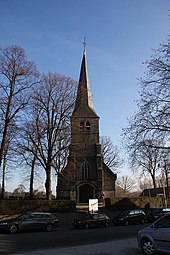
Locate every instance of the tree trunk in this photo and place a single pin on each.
(154, 184)
(57, 185)
(3, 178)
(7, 121)
(48, 183)
(167, 180)
(2, 148)
(31, 195)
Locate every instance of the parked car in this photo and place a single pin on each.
(92, 220)
(156, 237)
(30, 222)
(157, 214)
(130, 217)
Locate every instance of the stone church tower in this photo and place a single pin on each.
(86, 176)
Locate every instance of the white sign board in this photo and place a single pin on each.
(93, 205)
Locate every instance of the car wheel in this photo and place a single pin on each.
(106, 224)
(86, 226)
(126, 222)
(147, 247)
(49, 227)
(13, 229)
(142, 221)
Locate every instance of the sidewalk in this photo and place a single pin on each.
(119, 247)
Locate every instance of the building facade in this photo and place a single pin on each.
(86, 176)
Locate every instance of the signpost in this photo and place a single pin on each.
(93, 205)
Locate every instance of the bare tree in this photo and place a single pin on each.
(152, 119)
(20, 191)
(17, 76)
(110, 153)
(31, 166)
(144, 183)
(125, 185)
(164, 178)
(148, 132)
(8, 160)
(146, 157)
(47, 130)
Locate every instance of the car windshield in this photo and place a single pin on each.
(163, 223)
(20, 217)
(89, 216)
(157, 211)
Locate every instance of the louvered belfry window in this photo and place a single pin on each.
(88, 127)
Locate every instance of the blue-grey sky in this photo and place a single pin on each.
(120, 36)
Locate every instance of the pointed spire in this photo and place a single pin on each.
(84, 80)
(84, 103)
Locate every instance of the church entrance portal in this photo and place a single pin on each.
(85, 193)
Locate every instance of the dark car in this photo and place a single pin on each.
(92, 220)
(130, 217)
(30, 222)
(157, 214)
(156, 237)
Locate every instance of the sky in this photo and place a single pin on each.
(120, 36)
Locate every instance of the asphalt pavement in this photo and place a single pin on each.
(118, 247)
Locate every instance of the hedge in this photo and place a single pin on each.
(10, 207)
(117, 203)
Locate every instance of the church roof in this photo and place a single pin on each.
(84, 96)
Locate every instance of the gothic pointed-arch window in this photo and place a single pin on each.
(85, 170)
(88, 127)
(81, 126)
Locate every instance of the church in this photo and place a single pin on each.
(86, 176)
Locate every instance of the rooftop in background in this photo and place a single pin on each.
(155, 192)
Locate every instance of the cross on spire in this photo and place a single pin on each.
(84, 43)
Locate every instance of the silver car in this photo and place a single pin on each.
(156, 237)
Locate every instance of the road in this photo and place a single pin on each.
(119, 247)
(65, 239)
